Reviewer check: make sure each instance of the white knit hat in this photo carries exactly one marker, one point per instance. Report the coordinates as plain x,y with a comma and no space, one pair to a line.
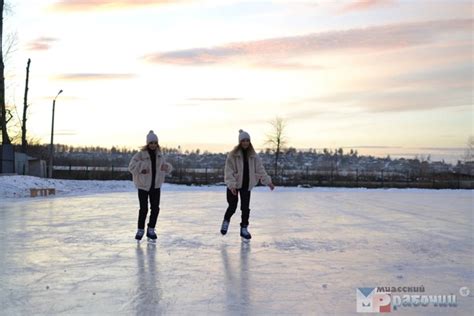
243,135
151,137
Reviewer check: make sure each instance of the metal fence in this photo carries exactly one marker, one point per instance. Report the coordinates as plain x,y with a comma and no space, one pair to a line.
304,178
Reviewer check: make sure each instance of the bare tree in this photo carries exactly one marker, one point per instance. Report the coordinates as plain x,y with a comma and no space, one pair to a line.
3,118
469,152
25,108
276,139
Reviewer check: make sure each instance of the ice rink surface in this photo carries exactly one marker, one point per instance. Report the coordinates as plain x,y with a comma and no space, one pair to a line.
311,250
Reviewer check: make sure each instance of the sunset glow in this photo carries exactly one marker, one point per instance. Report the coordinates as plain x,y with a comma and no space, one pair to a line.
384,77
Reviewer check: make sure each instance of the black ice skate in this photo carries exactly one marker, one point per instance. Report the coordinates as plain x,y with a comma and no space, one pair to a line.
151,234
244,233
139,234
224,227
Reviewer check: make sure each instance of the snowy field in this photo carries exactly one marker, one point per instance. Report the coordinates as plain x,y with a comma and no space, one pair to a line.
74,253
19,186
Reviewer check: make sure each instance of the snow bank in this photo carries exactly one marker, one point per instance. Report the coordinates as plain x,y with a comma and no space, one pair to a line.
19,186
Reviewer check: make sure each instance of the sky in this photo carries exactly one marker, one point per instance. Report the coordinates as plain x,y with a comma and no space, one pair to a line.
381,76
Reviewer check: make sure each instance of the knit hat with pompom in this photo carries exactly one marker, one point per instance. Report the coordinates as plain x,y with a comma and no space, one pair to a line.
243,135
151,137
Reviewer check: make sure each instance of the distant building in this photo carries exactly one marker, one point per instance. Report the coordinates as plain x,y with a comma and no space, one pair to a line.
26,165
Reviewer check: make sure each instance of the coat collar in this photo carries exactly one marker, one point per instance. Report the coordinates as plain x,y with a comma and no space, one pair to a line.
158,153
238,153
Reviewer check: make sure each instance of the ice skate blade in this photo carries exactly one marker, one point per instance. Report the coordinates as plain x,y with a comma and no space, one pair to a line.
245,240
151,240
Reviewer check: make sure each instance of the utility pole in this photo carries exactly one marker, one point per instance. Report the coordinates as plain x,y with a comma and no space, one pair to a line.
51,147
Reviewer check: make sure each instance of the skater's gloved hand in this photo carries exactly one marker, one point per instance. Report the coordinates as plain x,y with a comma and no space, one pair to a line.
234,191
144,171
271,186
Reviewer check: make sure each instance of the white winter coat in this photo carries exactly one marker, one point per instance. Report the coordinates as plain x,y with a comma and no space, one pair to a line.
234,169
141,161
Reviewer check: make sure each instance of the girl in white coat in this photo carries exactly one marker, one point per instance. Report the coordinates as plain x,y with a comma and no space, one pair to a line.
148,168
243,170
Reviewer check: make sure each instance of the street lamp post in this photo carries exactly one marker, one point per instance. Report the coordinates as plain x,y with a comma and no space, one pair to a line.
51,147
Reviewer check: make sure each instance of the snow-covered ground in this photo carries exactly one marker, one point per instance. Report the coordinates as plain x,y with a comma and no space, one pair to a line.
74,253
19,186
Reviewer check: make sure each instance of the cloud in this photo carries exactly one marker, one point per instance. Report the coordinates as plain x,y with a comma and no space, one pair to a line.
214,99
370,39
286,65
455,75
432,88
381,99
65,132
88,5
41,43
427,99
443,148
306,114
372,147
94,76
362,5
428,89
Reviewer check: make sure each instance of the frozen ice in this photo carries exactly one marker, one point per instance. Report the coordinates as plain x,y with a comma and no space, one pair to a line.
310,250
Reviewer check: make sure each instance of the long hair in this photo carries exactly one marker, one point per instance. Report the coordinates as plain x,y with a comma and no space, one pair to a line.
238,148
145,148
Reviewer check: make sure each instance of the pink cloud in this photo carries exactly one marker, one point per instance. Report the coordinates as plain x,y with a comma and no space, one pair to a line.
94,76
41,43
361,5
86,5
278,50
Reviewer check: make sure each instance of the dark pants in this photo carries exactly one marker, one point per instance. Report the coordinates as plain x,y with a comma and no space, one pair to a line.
154,195
244,206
